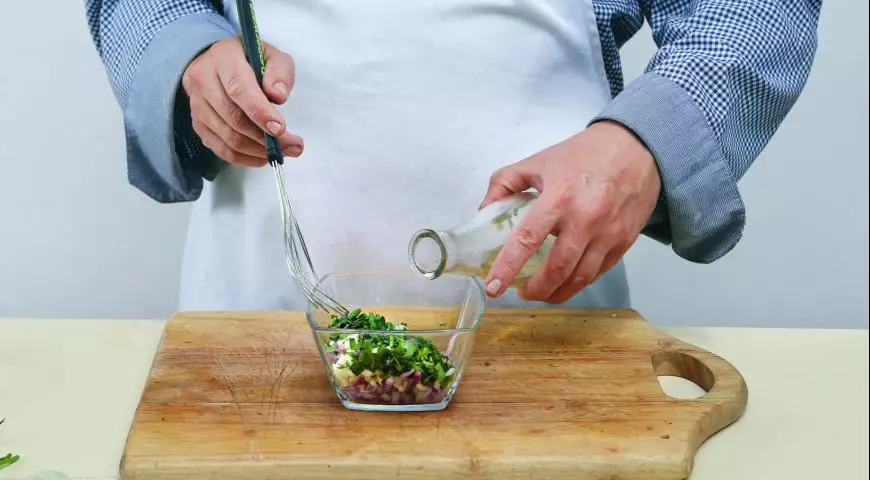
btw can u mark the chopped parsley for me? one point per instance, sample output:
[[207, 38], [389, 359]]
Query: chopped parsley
[[358, 320], [388, 354], [9, 459]]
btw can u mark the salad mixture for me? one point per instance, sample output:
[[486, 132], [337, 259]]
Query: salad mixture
[[397, 369]]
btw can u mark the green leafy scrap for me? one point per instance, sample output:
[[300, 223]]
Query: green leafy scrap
[[9, 459]]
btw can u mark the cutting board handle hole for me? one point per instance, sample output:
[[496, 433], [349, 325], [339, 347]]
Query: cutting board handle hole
[[682, 376]]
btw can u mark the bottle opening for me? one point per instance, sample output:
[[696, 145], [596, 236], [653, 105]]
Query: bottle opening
[[427, 254]]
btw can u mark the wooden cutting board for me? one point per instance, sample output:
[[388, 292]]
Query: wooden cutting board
[[547, 394]]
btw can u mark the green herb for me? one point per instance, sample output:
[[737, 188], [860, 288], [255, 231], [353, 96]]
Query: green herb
[[357, 320], [389, 354], [9, 459], [506, 217], [499, 220]]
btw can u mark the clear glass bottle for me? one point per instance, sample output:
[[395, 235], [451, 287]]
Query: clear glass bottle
[[471, 247]]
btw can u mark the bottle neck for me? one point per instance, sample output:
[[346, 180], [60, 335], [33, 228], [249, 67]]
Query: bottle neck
[[429, 253]]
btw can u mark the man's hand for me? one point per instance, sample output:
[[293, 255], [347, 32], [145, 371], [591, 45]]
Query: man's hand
[[598, 189], [228, 108]]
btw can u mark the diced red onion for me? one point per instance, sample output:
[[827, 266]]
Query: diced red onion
[[401, 390]]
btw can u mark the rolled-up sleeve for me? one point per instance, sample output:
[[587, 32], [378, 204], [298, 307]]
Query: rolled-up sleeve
[[724, 77], [145, 47]]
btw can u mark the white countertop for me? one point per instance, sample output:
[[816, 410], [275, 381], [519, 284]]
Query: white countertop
[[69, 388]]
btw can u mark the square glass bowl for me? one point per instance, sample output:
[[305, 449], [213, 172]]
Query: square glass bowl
[[412, 370]]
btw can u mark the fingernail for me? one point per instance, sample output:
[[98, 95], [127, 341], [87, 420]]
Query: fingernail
[[273, 127], [282, 89], [493, 287], [293, 151]]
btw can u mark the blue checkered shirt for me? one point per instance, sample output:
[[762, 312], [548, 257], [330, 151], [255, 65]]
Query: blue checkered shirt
[[725, 75]]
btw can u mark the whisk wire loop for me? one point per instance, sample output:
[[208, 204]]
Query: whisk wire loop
[[296, 254]]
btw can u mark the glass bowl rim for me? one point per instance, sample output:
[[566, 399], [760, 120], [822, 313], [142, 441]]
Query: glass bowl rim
[[478, 316]]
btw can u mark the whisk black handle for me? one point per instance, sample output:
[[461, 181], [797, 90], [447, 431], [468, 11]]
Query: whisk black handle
[[254, 54]]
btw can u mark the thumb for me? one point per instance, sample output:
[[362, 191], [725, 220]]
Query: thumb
[[280, 74], [509, 180]]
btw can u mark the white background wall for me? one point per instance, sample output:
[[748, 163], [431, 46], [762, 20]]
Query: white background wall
[[77, 241]]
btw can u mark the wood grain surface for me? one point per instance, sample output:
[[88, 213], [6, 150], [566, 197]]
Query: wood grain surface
[[547, 394]]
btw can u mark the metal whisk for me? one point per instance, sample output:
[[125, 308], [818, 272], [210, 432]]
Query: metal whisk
[[294, 244]]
